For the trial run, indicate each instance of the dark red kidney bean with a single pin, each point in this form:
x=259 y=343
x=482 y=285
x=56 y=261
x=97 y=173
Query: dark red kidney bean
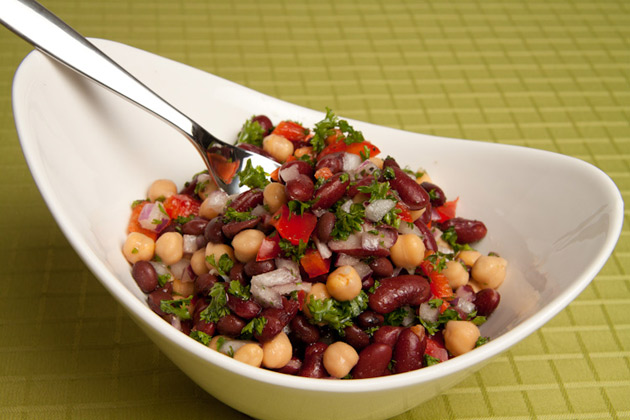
x=246 y=309
x=390 y=162
x=230 y=229
x=247 y=200
x=313 y=364
x=172 y=226
x=331 y=192
x=302 y=168
x=367 y=282
x=145 y=276
x=427 y=215
x=332 y=161
x=254 y=268
x=410 y=192
x=382 y=267
x=277 y=319
x=408 y=352
x=353 y=189
x=395 y=292
x=486 y=301
x=387 y=334
x=155 y=298
x=205 y=327
x=264 y=122
x=373 y=361
x=237 y=272
x=325 y=226
x=291 y=368
x=195 y=226
x=303 y=330
x=214 y=232
x=255 y=149
x=468 y=231
x=427 y=236
x=204 y=283
x=370 y=319
x=356 y=337
x=300 y=188
x=437 y=196
x=230 y=325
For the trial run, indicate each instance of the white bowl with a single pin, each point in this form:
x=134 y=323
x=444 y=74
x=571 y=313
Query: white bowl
x=554 y=218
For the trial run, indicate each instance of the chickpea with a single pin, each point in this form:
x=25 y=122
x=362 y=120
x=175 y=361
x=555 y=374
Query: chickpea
x=277 y=352
x=468 y=257
x=339 y=359
x=215 y=341
x=274 y=196
x=424 y=177
x=206 y=210
x=377 y=161
x=250 y=353
x=416 y=214
x=460 y=337
x=489 y=271
x=246 y=244
x=170 y=247
x=161 y=188
x=302 y=151
x=278 y=147
x=408 y=251
x=344 y=283
x=216 y=250
x=206 y=185
x=183 y=289
x=318 y=291
x=456 y=274
x=138 y=247
x=198 y=262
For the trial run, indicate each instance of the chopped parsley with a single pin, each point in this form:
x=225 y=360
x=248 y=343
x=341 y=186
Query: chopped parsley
x=299 y=207
x=329 y=126
x=218 y=304
x=251 y=132
x=201 y=336
x=337 y=314
x=397 y=316
x=255 y=326
x=232 y=215
x=450 y=237
x=449 y=314
x=238 y=290
x=295 y=252
x=347 y=223
x=481 y=341
x=177 y=307
x=253 y=177
x=184 y=219
x=430 y=360
x=377 y=190
x=223 y=266
x=163 y=279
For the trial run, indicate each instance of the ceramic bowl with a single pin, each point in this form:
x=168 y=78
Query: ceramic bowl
x=556 y=219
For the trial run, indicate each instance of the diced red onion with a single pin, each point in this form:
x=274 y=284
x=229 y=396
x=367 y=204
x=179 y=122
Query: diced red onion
x=352 y=242
x=427 y=313
x=370 y=241
x=217 y=200
x=351 y=162
x=288 y=174
x=363 y=270
x=259 y=211
x=406 y=228
x=465 y=292
x=376 y=210
x=288 y=264
x=161 y=269
x=409 y=318
x=264 y=287
x=344 y=259
x=367 y=167
x=175 y=322
x=322 y=248
x=190 y=243
x=179 y=267
x=396 y=271
x=346 y=206
x=229 y=346
x=465 y=306
x=153 y=217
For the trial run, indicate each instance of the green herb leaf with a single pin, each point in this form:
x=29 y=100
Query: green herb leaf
x=295 y=252
x=177 y=307
x=224 y=265
x=217 y=308
x=450 y=237
x=481 y=341
x=253 y=177
x=337 y=314
x=232 y=215
x=348 y=223
x=430 y=360
x=251 y=132
x=238 y=290
x=255 y=326
x=327 y=127
x=201 y=336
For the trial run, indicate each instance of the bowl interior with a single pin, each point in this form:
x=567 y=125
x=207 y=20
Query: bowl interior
x=554 y=218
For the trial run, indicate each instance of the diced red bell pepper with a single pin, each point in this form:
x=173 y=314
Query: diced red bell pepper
x=314 y=264
x=291 y=131
x=439 y=283
x=269 y=248
x=358 y=148
x=294 y=227
x=435 y=348
x=134 y=224
x=181 y=205
x=324 y=172
x=338 y=146
x=447 y=210
x=405 y=214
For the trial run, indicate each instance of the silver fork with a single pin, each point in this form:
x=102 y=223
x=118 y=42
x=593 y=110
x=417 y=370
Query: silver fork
x=37 y=25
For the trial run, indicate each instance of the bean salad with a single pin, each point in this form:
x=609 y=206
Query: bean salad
x=339 y=264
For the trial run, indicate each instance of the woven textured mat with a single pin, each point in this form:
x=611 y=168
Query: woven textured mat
x=550 y=75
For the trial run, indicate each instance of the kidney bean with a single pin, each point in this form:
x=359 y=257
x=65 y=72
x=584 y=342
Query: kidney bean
x=382 y=267
x=363 y=182
x=437 y=196
x=300 y=188
x=467 y=230
x=246 y=309
x=427 y=236
x=247 y=200
x=387 y=334
x=325 y=225
x=410 y=192
x=427 y=215
x=255 y=149
x=205 y=327
x=237 y=272
x=486 y=301
x=155 y=298
x=264 y=122
x=373 y=361
x=145 y=276
x=313 y=364
x=277 y=319
x=230 y=325
x=214 y=232
x=195 y=226
x=390 y=162
x=254 y=268
x=291 y=368
x=370 y=319
x=300 y=166
x=398 y=291
x=331 y=192
x=230 y=229
x=408 y=351
x=332 y=161
x=356 y=337
x=367 y=282
x=204 y=283
x=303 y=330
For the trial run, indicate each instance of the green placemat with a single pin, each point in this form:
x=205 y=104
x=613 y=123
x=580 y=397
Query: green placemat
x=551 y=75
